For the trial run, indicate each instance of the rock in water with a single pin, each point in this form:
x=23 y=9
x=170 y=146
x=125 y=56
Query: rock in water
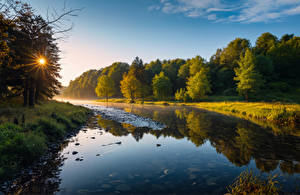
x=158 y=145
x=74 y=152
x=118 y=143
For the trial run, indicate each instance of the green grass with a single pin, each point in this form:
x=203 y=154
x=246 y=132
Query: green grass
x=25 y=133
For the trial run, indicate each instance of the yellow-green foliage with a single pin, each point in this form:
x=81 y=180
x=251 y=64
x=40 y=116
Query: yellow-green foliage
x=248 y=183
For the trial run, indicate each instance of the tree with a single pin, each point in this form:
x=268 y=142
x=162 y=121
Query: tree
x=265 y=43
x=170 y=69
x=196 y=64
x=286 y=57
x=162 y=86
x=31 y=38
x=137 y=69
x=105 y=87
x=130 y=87
x=183 y=74
x=198 y=85
x=249 y=80
x=116 y=71
x=153 y=68
x=5 y=58
x=181 y=95
x=264 y=66
x=231 y=54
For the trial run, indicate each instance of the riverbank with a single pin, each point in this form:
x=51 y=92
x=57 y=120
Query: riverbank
x=279 y=114
x=27 y=134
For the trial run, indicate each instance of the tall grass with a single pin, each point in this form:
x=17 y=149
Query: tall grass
x=249 y=183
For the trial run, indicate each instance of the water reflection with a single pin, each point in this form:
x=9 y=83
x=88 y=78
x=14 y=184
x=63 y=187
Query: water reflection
x=200 y=152
x=240 y=141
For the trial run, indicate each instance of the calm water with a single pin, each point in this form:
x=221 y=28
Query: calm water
x=198 y=152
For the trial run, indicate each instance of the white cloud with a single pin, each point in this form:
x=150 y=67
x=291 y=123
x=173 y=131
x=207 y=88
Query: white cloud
x=245 y=11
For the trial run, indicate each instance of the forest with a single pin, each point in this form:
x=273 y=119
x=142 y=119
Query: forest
x=266 y=71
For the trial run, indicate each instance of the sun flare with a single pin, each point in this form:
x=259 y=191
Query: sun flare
x=42 y=61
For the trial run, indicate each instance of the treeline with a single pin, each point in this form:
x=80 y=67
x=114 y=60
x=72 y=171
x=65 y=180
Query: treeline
x=271 y=65
x=29 y=53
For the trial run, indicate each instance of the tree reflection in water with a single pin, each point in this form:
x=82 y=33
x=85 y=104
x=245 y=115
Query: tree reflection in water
x=239 y=140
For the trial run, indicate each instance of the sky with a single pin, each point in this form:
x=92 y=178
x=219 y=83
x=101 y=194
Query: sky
x=107 y=31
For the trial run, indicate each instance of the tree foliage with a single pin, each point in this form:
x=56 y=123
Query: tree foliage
x=249 y=79
x=105 y=87
x=130 y=86
x=25 y=38
x=162 y=87
x=181 y=95
x=83 y=86
x=198 y=85
x=273 y=61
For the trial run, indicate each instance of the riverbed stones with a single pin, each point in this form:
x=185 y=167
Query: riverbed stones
x=74 y=152
x=77 y=144
x=118 y=143
x=79 y=159
x=158 y=145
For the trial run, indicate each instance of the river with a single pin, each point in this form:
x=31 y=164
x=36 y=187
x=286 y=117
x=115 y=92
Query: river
x=182 y=150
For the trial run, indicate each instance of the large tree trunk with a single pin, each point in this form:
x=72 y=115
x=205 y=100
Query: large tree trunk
x=36 y=96
x=25 y=94
x=31 y=96
x=246 y=96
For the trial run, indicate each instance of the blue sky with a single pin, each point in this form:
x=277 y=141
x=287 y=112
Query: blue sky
x=117 y=30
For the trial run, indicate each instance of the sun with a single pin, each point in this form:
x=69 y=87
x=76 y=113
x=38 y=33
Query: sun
x=42 y=61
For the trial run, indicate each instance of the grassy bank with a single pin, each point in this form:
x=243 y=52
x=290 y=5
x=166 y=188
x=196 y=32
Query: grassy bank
x=280 y=114
x=26 y=133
